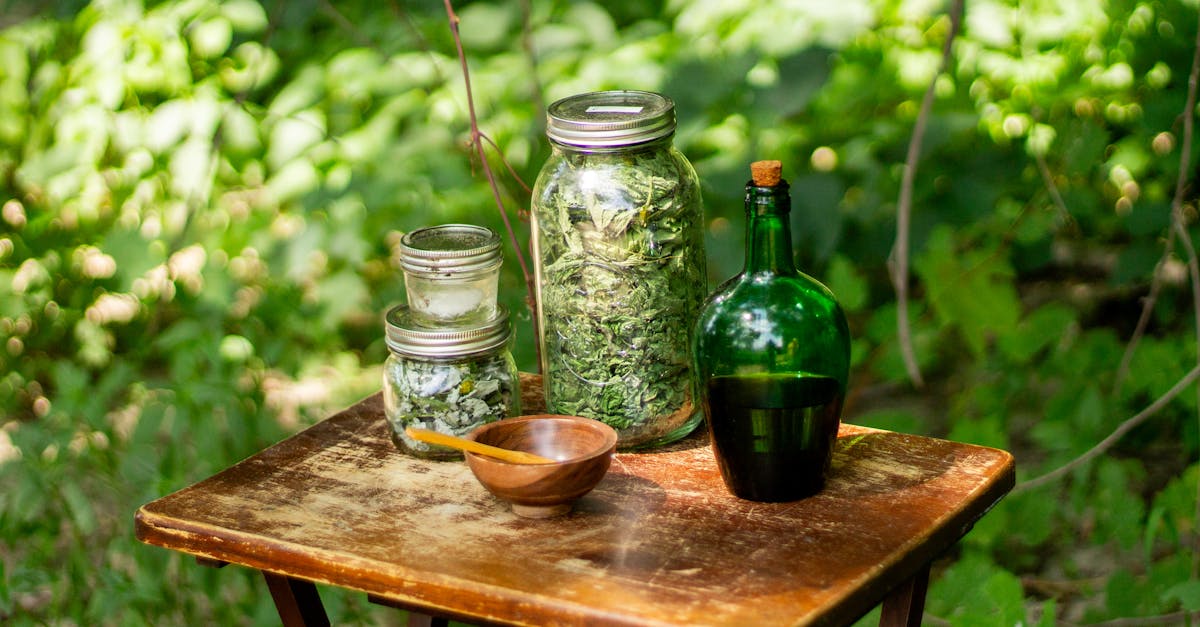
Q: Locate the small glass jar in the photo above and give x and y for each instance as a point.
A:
(618, 238)
(451, 273)
(448, 380)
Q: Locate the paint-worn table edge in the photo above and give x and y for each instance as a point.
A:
(298, 602)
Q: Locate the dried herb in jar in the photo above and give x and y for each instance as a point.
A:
(450, 380)
(452, 397)
(621, 281)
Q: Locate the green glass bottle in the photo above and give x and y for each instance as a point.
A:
(772, 354)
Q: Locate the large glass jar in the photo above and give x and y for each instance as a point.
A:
(449, 380)
(620, 267)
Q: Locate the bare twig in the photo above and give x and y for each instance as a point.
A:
(477, 144)
(1176, 618)
(900, 252)
(1139, 330)
(1185, 154)
(1064, 213)
(1125, 427)
(507, 165)
(1179, 226)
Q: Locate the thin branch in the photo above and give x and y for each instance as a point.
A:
(1125, 427)
(520, 181)
(904, 205)
(1185, 155)
(1148, 303)
(1176, 618)
(1055, 195)
(477, 145)
(476, 142)
(1179, 226)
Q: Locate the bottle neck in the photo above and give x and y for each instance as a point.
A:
(768, 230)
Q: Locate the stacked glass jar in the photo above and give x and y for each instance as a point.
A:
(450, 367)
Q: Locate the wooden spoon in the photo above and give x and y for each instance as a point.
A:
(462, 444)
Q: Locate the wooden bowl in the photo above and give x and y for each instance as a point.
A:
(581, 447)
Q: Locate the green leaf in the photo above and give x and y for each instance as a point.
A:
(594, 21)
(1187, 594)
(79, 506)
(303, 91)
(971, 291)
(976, 592)
(293, 135)
(1123, 594)
(892, 420)
(133, 254)
(246, 16)
(190, 166)
(1148, 218)
(167, 125)
(1116, 505)
(988, 431)
(847, 284)
(1038, 330)
(486, 26)
(1049, 614)
(1176, 503)
(1136, 262)
(297, 178)
(342, 293)
(211, 38)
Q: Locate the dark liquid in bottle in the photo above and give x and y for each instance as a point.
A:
(773, 433)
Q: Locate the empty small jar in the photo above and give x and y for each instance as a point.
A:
(451, 273)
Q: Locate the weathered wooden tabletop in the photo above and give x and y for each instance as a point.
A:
(659, 541)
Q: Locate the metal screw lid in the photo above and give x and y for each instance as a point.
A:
(450, 249)
(407, 336)
(610, 119)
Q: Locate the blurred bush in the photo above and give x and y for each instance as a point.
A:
(202, 201)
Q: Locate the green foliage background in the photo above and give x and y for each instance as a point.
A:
(202, 201)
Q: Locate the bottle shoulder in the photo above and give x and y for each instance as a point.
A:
(755, 291)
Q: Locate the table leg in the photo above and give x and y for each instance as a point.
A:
(415, 618)
(904, 606)
(297, 601)
(424, 620)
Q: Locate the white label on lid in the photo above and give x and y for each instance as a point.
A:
(613, 109)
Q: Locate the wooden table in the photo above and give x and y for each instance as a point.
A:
(659, 541)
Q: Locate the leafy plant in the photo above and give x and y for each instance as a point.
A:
(201, 204)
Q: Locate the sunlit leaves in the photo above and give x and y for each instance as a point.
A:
(776, 28)
(246, 16)
(211, 37)
(974, 591)
(250, 67)
(487, 26)
(970, 291)
(206, 192)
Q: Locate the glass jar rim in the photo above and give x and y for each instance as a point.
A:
(405, 335)
(609, 119)
(450, 249)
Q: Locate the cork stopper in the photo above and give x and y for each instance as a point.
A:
(766, 173)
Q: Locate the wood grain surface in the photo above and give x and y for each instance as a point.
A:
(659, 540)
